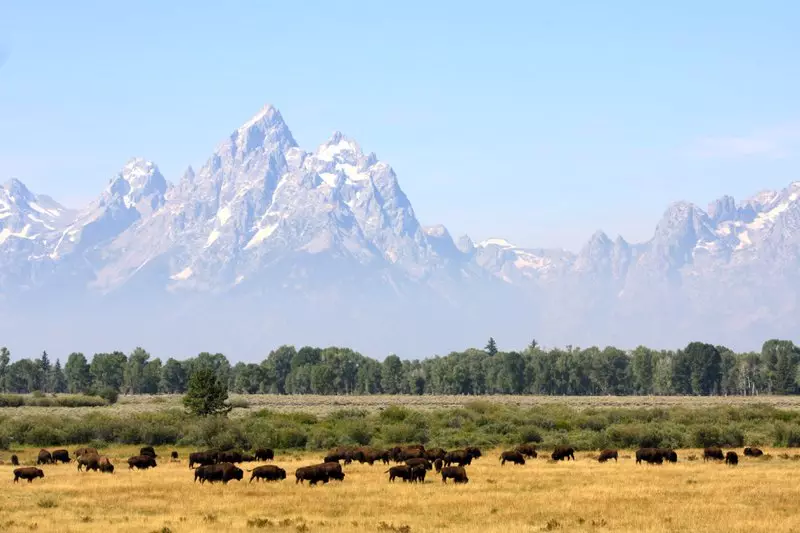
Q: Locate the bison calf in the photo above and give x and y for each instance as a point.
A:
(731, 458)
(607, 455)
(29, 472)
(15, 460)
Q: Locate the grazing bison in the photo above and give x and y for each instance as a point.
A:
(651, 456)
(61, 456)
(457, 473)
(368, 455)
(512, 457)
(264, 454)
(44, 458)
(247, 458)
(669, 455)
(713, 453)
(27, 472)
(528, 450)
(85, 460)
(474, 452)
(424, 463)
(105, 466)
(459, 457)
(435, 453)
(403, 472)
(173, 456)
(84, 451)
(267, 473)
(402, 453)
(334, 470)
(563, 452)
(607, 455)
(749, 452)
(15, 460)
(96, 463)
(418, 474)
(219, 472)
(438, 464)
(148, 450)
(731, 458)
(230, 456)
(342, 453)
(202, 458)
(142, 462)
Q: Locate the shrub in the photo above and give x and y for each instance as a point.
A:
(109, 394)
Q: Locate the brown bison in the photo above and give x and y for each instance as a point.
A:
(438, 464)
(44, 458)
(142, 462)
(202, 458)
(61, 456)
(27, 472)
(95, 462)
(230, 456)
(424, 463)
(219, 472)
(85, 460)
(512, 457)
(148, 450)
(457, 473)
(83, 451)
(368, 455)
(651, 456)
(403, 472)
(264, 454)
(321, 472)
(15, 460)
(528, 450)
(173, 456)
(563, 452)
(749, 452)
(432, 454)
(669, 455)
(400, 454)
(731, 458)
(342, 453)
(458, 457)
(474, 452)
(713, 453)
(607, 455)
(418, 474)
(267, 473)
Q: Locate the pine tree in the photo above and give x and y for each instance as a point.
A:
(44, 366)
(491, 347)
(57, 382)
(5, 359)
(206, 394)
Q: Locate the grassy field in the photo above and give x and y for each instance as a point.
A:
(691, 496)
(323, 405)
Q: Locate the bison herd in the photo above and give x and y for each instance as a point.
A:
(412, 463)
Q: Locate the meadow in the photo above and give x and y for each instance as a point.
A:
(690, 496)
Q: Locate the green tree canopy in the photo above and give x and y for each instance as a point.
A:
(206, 395)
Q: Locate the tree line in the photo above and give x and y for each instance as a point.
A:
(697, 369)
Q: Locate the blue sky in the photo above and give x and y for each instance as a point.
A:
(533, 121)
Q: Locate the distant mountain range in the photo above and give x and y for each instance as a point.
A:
(269, 244)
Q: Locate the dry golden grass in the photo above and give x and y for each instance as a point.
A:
(758, 495)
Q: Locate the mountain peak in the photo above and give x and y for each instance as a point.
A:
(16, 188)
(339, 146)
(267, 115)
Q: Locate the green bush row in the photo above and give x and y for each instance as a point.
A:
(62, 400)
(479, 423)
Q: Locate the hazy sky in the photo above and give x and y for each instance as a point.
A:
(540, 123)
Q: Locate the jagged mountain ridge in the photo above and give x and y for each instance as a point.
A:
(332, 226)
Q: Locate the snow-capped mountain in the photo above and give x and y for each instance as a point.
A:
(265, 229)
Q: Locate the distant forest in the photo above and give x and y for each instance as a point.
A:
(697, 369)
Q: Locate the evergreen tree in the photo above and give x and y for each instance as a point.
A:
(44, 367)
(207, 394)
(5, 359)
(57, 382)
(491, 347)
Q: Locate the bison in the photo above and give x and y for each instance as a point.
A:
(424, 463)
(61, 456)
(264, 454)
(528, 450)
(669, 455)
(148, 450)
(457, 473)
(438, 464)
(173, 456)
(418, 474)
(749, 452)
(607, 455)
(402, 453)
(142, 462)
(731, 458)
(563, 452)
(83, 451)
(15, 460)
(435, 453)
(512, 457)
(368, 455)
(267, 473)
(713, 453)
(202, 458)
(230, 456)
(474, 452)
(459, 457)
(44, 458)
(28, 472)
(95, 462)
(403, 472)
(218, 472)
(651, 456)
